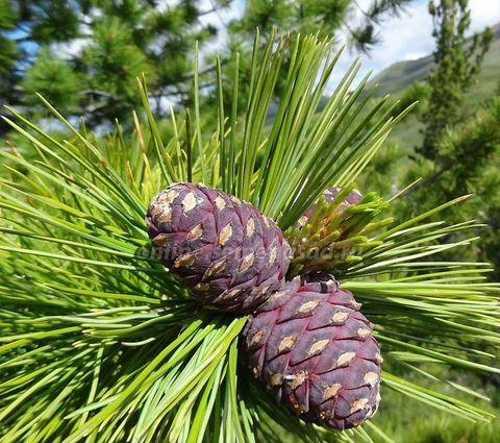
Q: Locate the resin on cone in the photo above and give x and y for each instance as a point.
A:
(229, 254)
(310, 344)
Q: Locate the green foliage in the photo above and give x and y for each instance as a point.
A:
(9, 52)
(325, 16)
(107, 44)
(56, 20)
(458, 61)
(8, 57)
(459, 153)
(472, 159)
(103, 46)
(418, 95)
(415, 423)
(99, 342)
(53, 78)
(386, 172)
(113, 62)
(7, 15)
(471, 148)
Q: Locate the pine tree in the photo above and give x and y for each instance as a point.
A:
(100, 342)
(460, 146)
(324, 16)
(84, 55)
(9, 55)
(472, 152)
(458, 61)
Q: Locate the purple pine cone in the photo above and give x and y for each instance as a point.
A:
(230, 255)
(310, 345)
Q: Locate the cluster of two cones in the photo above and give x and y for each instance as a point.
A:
(306, 339)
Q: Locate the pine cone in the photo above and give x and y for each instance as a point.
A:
(333, 233)
(330, 196)
(310, 344)
(230, 255)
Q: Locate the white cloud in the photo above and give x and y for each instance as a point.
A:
(408, 37)
(484, 13)
(220, 19)
(71, 49)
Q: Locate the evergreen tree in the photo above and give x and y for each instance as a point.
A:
(324, 16)
(458, 60)
(9, 55)
(85, 55)
(459, 152)
(472, 152)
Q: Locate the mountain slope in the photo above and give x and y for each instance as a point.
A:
(400, 75)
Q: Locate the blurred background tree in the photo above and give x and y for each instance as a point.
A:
(9, 54)
(85, 55)
(458, 60)
(459, 151)
(451, 141)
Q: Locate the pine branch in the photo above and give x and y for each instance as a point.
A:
(99, 341)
